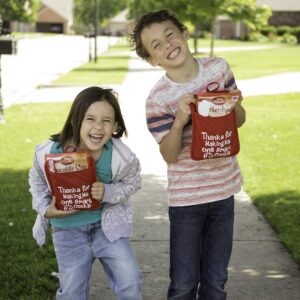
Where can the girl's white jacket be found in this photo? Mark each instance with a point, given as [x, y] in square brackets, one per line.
[116, 218]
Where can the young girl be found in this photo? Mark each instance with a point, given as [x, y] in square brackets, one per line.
[94, 124]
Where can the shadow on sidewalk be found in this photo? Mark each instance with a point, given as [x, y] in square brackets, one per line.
[150, 242]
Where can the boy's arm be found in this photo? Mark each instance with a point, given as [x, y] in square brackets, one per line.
[170, 146]
[240, 115]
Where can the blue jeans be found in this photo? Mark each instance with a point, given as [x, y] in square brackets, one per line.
[76, 250]
[200, 249]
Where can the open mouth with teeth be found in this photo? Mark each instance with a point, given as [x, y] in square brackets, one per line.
[95, 138]
[174, 53]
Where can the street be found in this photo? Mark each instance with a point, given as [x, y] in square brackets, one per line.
[41, 60]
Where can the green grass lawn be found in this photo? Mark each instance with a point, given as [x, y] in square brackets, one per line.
[25, 268]
[111, 67]
[247, 64]
[252, 64]
[205, 43]
[269, 160]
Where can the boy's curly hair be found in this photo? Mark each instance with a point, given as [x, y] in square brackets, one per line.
[146, 20]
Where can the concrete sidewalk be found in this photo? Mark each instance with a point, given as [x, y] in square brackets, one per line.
[260, 268]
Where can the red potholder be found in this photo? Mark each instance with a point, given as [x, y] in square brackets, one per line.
[71, 176]
[213, 137]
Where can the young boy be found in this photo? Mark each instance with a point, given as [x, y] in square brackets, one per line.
[201, 193]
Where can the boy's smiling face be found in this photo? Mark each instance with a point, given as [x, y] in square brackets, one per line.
[166, 44]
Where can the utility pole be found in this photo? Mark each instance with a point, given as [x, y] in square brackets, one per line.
[96, 27]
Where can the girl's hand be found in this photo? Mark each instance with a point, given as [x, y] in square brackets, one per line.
[53, 212]
[183, 109]
[97, 190]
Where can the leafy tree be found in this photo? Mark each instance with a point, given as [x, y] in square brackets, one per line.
[21, 10]
[85, 10]
[137, 7]
[246, 11]
[203, 13]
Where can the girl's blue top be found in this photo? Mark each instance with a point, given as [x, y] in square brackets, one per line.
[104, 174]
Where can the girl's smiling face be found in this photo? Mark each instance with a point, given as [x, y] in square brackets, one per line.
[97, 126]
[166, 44]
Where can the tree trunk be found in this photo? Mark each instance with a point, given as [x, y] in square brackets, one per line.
[195, 44]
[212, 37]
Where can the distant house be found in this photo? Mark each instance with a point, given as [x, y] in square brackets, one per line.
[227, 29]
[55, 16]
[285, 12]
[118, 24]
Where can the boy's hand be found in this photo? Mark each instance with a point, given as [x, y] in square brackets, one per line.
[53, 212]
[183, 109]
[97, 190]
[241, 97]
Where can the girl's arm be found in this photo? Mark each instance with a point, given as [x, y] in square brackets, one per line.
[41, 195]
[53, 212]
[127, 183]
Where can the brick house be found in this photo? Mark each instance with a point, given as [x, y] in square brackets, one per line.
[285, 12]
[119, 23]
[54, 16]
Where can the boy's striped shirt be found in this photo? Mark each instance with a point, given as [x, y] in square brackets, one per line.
[193, 182]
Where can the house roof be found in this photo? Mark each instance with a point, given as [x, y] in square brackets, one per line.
[64, 8]
[280, 5]
[121, 17]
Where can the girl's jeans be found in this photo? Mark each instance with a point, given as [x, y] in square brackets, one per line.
[200, 249]
[76, 249]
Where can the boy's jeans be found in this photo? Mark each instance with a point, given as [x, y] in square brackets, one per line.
[200, 249]
[76, 250]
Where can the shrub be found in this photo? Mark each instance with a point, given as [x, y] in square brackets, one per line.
[268, 29]
[272, 37]
[296, 31]
[281, 30]
[256, 36]
[288, 38]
